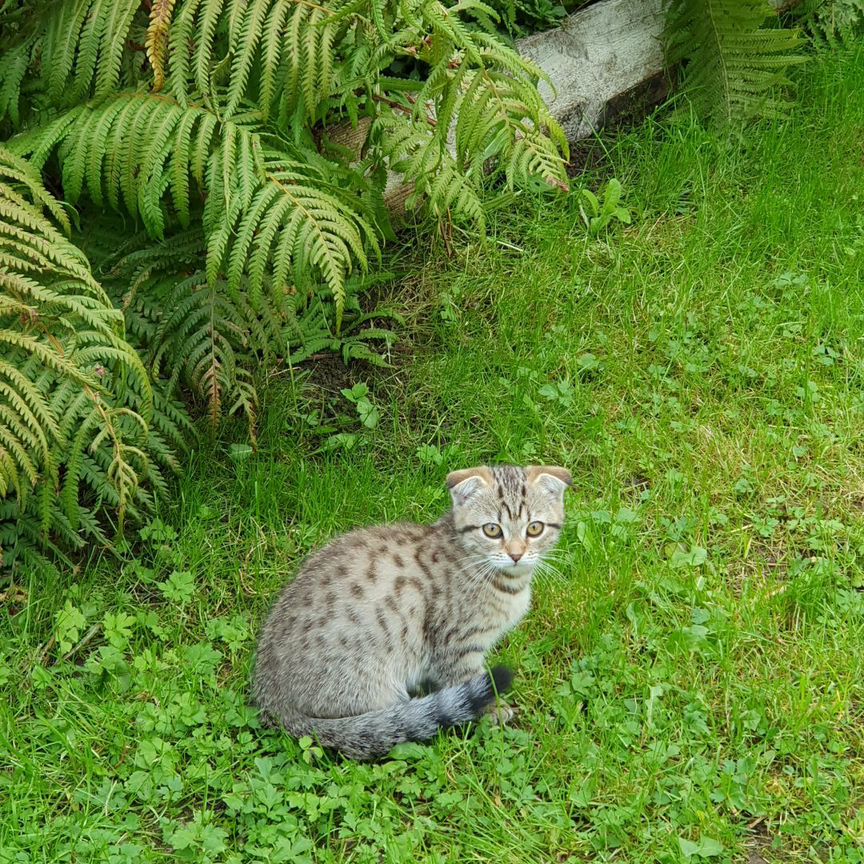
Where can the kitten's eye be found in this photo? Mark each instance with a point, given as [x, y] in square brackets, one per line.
[534, 529]
[492, 530]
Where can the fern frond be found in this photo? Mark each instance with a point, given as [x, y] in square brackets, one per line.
[202, 332]
[117, 15]
[479, 102]
[296, 225]
[199, 20]
[157, 39]
[72, 50]
[831, 23]
[246, 50]
[71, 386]
[13, 68]
[735, 65]
[22, 546]
[132, 150]
[298, 60]
[195, 334]
[61, 40]
[210, 339]
[181, 43]
[273, 47]
[412, 149]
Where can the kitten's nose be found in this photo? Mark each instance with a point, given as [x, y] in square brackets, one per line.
[515, 556]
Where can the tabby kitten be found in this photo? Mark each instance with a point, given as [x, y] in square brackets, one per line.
[382, 612]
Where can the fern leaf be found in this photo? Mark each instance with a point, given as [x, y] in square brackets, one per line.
[272, 56]
[210, 13]
[205, 337]
[318, 231]
[135, 148]
[99, 149]
[67, 378]
[19, 172]
[157, 40]
[13, 69]
[118, 16]
[61, 44]
[70, 492]
[315, 49]
[80, 46]
[831, 23]
[89, 43]
[736, 67]
[249, 36]
[181, 42]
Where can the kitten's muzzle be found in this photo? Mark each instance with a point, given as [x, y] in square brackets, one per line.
[517, 571]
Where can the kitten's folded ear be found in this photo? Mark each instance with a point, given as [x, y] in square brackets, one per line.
[552, 478]
[468, 482]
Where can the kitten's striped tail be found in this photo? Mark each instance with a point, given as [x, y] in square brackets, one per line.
[373, 735]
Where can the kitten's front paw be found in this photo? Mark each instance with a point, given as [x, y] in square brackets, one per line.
[500, 715]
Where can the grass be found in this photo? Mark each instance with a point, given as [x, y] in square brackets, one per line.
[690, 688]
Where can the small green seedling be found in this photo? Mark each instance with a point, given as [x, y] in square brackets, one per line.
[367, 412]
[597, 213]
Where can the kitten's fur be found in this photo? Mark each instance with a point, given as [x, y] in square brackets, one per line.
[384, 611]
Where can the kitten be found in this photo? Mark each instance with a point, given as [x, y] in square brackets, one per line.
[382, 612]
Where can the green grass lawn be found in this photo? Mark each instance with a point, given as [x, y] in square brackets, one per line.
[689, 687]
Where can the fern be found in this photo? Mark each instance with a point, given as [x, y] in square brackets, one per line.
[136, 149]
[832, 23]
[157, 40]
[13, 70]
[354, 343]
[70, 50]
[282, 41]
[75, 398]
[130, 151]
[207, 338]
[411, 148]
[291, 225]
[276, 210]
[298, 60]
[194, 333]
[735, 65]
